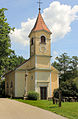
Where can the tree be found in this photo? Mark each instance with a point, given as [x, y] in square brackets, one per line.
[68, 71]
[5, 42]
[2, 88]
[68, 88]
[13, 61]
[8, 59]
[62, 63]
[73, 67]
[76, 81]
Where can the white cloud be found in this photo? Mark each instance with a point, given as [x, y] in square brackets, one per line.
[55, 54]
[20, 36]
[58, 18]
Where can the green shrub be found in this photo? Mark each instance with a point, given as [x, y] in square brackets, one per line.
[32, 95]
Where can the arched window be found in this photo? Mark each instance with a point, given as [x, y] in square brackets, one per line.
[32, 41]
[43, 39]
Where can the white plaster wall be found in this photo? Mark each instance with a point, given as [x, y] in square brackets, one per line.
[43, 80]
[19, 83]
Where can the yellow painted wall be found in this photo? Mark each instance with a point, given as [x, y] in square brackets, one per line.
[38, 45]
[23, 66]
[32, 62]
[43, 62]
[31, 81]
[43, 76]
[55, 80]
[28, 65]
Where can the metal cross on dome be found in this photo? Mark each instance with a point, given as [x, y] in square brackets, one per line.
[39, 4]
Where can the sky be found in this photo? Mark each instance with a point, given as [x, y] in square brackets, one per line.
[61, 17]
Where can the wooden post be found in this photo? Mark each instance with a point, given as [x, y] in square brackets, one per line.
[59, 98]
[53, 100]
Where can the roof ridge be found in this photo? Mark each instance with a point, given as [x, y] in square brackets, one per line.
[16, 67]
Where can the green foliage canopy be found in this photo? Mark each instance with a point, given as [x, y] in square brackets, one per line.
[13, 61]
[68, 68]
[5, 42]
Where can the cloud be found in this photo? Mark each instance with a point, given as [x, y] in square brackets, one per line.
[58, 18]
[55, 54]
[20, 36]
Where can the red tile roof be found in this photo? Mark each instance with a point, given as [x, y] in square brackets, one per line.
[40, 24]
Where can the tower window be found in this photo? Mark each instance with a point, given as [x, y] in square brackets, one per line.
[32, 41]
[43, 39]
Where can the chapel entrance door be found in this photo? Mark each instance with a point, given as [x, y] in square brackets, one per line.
[43, 93]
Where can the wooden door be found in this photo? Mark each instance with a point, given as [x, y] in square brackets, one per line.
[43, 93]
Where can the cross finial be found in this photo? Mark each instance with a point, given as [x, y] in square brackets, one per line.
[39, 4]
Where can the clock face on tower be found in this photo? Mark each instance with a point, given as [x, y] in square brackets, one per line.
[43, 49]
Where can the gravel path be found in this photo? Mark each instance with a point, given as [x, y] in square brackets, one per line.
[11, 109]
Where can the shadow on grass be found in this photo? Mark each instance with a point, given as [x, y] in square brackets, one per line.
[51, 107]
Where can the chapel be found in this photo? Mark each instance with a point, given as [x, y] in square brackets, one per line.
[35, 74]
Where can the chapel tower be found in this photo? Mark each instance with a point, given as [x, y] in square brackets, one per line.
[40, 49]
[40, 42]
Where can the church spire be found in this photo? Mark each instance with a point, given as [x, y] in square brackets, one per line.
[40, 24]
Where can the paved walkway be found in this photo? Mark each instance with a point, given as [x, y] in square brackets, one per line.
[11, 109]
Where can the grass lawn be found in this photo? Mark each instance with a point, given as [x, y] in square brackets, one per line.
[68, 109]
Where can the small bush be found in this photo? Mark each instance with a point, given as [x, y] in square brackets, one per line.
[32, 95]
